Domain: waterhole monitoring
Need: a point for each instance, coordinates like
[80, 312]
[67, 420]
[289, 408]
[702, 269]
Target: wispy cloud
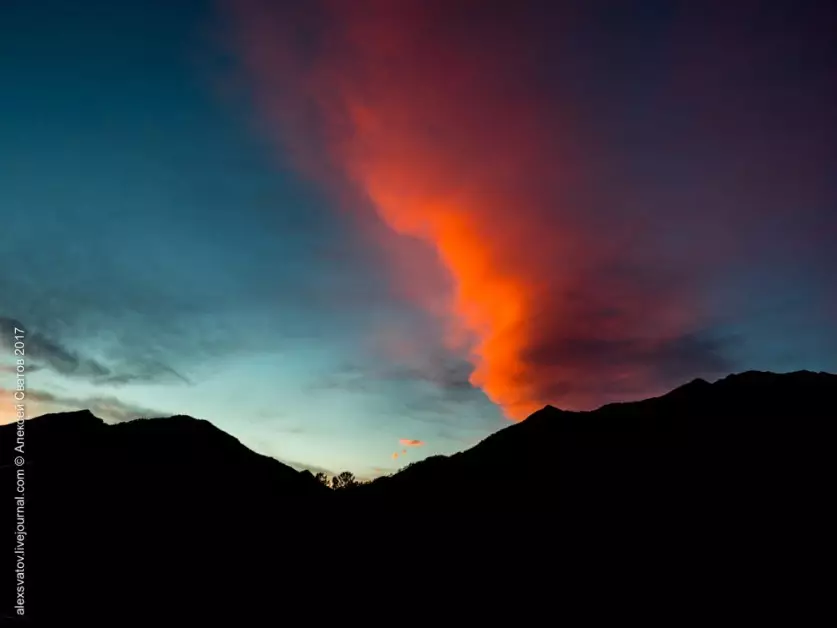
[51, 353]
[5, 368]
[446, 373]
[111, 409]
[304, 466]
[411, 442]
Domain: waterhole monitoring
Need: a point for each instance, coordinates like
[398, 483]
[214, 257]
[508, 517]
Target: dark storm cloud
[51, 353]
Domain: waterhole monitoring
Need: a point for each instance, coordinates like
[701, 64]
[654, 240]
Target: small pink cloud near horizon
[409, 442]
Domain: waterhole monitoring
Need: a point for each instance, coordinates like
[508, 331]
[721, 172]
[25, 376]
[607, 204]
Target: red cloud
[448, 125]
[410, 442]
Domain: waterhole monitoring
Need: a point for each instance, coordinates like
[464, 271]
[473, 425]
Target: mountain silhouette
[638, 455]
[178, 452]
[146, 508]
[175, 508]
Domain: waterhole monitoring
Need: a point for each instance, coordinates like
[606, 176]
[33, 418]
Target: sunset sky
[354, 233]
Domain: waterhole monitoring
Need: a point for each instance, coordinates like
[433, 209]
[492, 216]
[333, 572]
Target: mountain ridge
[695, 390]
[181, 498]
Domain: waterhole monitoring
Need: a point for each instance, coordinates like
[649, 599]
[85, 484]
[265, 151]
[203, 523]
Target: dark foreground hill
[130, 518]
[154, 516]
[642, 456]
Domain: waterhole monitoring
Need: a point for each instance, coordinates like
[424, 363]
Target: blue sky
[165, 256]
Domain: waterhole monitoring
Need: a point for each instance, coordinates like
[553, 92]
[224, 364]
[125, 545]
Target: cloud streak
[411, 442]
[48, 352]
[109, 408]
[302, 466]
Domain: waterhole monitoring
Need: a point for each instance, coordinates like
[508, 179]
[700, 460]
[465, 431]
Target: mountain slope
[626, 455]
[144, 514]
[157, 450]
[126, 514]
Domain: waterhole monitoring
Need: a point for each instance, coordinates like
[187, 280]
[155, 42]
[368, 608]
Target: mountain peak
[180, 429]
[79, 415]
[546, 413]
[695, 386]
[74, 419]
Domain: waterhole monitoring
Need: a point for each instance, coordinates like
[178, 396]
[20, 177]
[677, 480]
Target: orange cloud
[395, 455]
[411, 442]
[448, 126]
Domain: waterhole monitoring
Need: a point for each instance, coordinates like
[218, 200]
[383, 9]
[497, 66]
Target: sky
[355, 234]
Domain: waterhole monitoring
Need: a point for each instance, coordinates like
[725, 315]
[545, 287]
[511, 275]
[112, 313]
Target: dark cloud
[631, 368]
[446, 373]
[449, 375]
[148, 370]
[51, 353]
[109, 408]
[30, 368]
[48, 352]
[302, 466]
[431, 390]
[348, 377]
